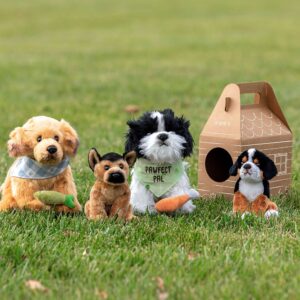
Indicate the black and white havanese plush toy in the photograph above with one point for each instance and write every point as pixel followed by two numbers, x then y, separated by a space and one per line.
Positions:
pixel 161 141
pixel 252 192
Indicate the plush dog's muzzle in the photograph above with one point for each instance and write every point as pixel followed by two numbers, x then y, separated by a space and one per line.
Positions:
pixel 48 151
pixel 251 172
pixel 163 137
pixel 116 178
pixel 52 149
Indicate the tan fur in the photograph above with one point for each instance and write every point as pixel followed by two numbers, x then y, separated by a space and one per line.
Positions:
pixel 17 193
pixel 259 206
pixel 107 199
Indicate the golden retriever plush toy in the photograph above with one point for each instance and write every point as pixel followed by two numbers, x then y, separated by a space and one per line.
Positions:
pixel 110 194
pixel 43 147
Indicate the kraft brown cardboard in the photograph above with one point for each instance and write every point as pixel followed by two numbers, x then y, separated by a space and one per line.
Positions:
pixel 233 127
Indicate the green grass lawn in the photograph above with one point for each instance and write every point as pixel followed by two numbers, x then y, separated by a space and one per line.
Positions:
pixel 85 61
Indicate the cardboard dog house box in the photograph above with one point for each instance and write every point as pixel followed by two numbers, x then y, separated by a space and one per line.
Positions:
pixel 233 128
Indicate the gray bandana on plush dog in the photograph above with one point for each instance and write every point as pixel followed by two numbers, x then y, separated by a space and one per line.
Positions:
pixel 27 168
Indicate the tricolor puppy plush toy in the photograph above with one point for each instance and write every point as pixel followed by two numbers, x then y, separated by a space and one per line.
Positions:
pixel 251 192
pixel 42 147
pixel 110 194
pixel 159 181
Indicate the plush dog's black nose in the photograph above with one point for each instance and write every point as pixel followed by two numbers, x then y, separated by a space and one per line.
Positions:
pixel 52 149
pixel 247 166
pixel 162 137
pixel 116 178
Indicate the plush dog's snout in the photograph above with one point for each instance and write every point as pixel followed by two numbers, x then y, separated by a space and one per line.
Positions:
pixel 52 149
pixel 247 166
pixel 162 137
pixel 116 177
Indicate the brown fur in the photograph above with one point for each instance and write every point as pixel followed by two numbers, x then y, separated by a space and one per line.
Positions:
pixel 107 199
pixel 259 206
pixel 17 193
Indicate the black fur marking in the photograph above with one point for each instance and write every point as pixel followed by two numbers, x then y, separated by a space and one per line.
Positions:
pixel 237 165
pixel 112 156
pixel 147 125
pixel 181 127
pixel 237 185
pixel 266 188
pixel 137 130
pixel 266 165
pixel 94 162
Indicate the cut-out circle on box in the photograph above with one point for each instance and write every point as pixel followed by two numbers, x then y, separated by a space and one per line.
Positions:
pixel 217 164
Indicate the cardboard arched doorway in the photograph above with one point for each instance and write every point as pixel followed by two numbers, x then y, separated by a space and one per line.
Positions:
pixel 217 164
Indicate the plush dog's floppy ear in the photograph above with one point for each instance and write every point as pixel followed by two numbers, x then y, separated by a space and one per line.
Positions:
pixel 130 157
pixel 131 138
pixel 17 144
pixel 132 124
pixel 234 168
pixel 269 168
pixel 188 149
pixel 94 158
pixel 71 141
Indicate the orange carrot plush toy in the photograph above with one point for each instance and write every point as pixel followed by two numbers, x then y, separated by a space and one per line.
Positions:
pixel 171 204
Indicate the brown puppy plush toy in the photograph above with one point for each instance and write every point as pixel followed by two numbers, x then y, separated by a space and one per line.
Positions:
pixel 251 192
pixel 42 147
pixel 110 194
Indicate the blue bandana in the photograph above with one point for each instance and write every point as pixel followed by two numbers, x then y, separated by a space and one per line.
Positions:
pixel 27 168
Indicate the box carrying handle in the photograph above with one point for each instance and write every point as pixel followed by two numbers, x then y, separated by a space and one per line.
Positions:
pixel 257 88
pixel 252 88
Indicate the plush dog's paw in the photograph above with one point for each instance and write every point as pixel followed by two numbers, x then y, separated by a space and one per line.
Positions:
pixel 188 208
pixel 65 209
pixel 145 209
pixel 271 213
pixel 245 214
pixel 193 194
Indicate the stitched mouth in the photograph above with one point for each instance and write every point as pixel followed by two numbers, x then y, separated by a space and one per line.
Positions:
pixel 163 144
pixel 49 159
pixel 247 173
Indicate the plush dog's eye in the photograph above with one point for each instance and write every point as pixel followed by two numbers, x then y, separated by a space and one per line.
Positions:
pixel 56 137
pixel 121 166
pixel 106 167
pixel 39 138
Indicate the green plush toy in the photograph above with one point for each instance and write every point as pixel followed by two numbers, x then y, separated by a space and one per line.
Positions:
pixel 55 198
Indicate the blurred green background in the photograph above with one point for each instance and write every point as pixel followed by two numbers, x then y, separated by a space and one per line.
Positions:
pixel 85 61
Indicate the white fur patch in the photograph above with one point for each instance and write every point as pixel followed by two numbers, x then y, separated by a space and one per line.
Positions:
pixel 251 190
pixel 245 214
pixel 141 199
pixel 160 120
pixel 171 151
pixel 271 213
pixel 251 153
pixel 251 175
